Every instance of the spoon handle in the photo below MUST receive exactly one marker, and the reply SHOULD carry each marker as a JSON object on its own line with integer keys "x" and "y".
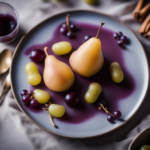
{"x": 5, "y": 88}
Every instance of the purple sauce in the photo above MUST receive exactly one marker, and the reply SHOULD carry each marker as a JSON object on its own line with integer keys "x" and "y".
{"x": 111, "y": 93}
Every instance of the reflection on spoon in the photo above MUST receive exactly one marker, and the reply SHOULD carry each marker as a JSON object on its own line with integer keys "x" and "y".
{"x": 5, "y": 60}
{"x": 6, "y": 86}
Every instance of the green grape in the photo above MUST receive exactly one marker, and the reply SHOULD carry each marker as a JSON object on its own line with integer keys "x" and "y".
{"x": 92, "y": 2}
{"x": 61, "y": 48}
{"x": 145, "y": 147}
{"x": 93, "y": 92}
{"x": 116, "y": 72}
{"x": 56, "y": 110}
{"x": 41, "y": 96}
{"x": 33, "y": 75}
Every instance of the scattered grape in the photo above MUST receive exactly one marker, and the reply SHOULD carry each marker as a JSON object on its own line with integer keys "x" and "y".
{"x": 24, "y": 92}
{"x": 110, "y": 118}
{"x": 72, "y": 99}
{"x": 64, "y": 25}
{"x": 70, "y": 35}
{"x": 73, "y": 27}
{"x": 56, "y": 110}
{"x": 34, "y": 103}
{"x": 87, "y": 37}
{"x": 123, "y": 38}
{"x": 116, "y": 36}
{"x": 117, "y": 114}
{"x": 30, "y": 93}
{"x": 37, "y": 55}
{"x": 120, "y": 43}
{"x": 26, "y": 99}
{"x": 2, "y": 27}
{"x": 63, "y": 30}
{"x": 120, "y": 33}
{"x": 61, "y": 48}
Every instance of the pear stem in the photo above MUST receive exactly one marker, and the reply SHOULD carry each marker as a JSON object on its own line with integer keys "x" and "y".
{"x": 45, "y": 49}
{"x": 102, "y": 23}
{"x": 67, "y": 22}
{"x": 51, "y": 119}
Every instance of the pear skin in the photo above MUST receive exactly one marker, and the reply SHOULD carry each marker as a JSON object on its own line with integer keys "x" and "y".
{"x": 88, "y": 59}
{"x": 57, "y": 75}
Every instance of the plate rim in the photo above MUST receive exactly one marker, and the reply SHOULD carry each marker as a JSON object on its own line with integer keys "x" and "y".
{"x": 57, "y": 14}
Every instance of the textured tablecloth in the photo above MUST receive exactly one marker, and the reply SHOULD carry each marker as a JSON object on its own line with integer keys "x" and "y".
{"x": 18, "y": 133}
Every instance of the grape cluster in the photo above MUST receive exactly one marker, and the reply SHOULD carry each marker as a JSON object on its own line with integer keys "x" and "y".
{"x": 28, "y": 99}
{"x": 87, "y": 37}
{"x": 121, "y": 39}
{"x": 111, "y": 117}
{"x": 64, "y": 30}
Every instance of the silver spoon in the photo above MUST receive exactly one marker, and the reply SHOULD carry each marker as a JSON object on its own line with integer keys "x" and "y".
{"x": 5, "y": 60}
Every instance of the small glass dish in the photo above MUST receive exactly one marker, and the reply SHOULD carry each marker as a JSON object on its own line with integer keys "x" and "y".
{"x": 9, "y": 23}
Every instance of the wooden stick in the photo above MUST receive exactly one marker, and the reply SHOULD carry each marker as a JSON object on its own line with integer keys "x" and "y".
{"x": 147, "y": 35}
{"x": 147, "y": 27}
{"x": 137, "y": 9}
{"x": 143, "y": 12}
{"x": 144, "y": 25}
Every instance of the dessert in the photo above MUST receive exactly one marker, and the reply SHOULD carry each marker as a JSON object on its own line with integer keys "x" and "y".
{"x": 57, "y": 75}
{"x": 33, "y": 75}
{"x": 88, "y": 59}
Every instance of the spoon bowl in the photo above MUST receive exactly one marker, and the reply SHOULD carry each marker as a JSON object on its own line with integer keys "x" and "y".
{"x": 5, "y": 60}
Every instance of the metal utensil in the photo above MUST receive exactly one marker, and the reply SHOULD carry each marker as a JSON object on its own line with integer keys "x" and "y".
{"x": 6, "y": 86}
{"x": 5, "y": 60}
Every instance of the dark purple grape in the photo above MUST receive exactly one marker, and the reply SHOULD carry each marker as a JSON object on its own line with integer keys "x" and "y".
{"x": 30, "y": 93}
{"x": 2, "y": 27}
{"x": 120, "y": 33}
{"x": 87, "y": 37}
{"x": 116, "y": 36}
{"x": 37, "y": 55}
{"x": 73, "y": 27}
{"x": 120, "y": 43}
{"x": 63, "y": 30}
{"x": 34, "y": 103}
{"x": 123, "y": 38}
{"x": 24, "y": 92}
{"x": 103, "y": 102}
{"x": 70, "y": 35}
{"x": 26, "y": 99}
{"x": 72, "y": 99}
{"x": 110, "y": 118}
{"x": 64, "y": 25}
{"x": 117, "y": 114}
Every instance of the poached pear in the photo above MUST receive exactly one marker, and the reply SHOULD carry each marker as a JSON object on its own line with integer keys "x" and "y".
{"x": 57, "y": 75}
{"x": 88, "y": 59}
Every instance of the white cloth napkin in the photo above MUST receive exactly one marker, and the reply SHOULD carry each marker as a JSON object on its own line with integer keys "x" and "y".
{"x": 18, "y": 133}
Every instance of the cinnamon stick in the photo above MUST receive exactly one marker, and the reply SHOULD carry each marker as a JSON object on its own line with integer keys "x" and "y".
{"x": 137, "y": 9}
{"x": 147, "y": 35}
{"x": 144, "y": 25}
{"x": 143, "y": 12}
{"x": 147, "y": 27}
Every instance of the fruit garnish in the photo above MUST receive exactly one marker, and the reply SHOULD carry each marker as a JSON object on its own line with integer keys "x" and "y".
{"x": 93, "y": 92}
{"x": 34, "y": 103}
{"x": 33, "y": 75}
{"x": 41, "y": 96}
{"x": 71, "y": 99}
{"x": 117, "y": 114}
{"x": 37, "y": 55}
{"x": 24, "y": 92}
{"x": 116, "y": 72}
{"x": 26, "y": 99}
{"x": 88, "y": 59}
{"x": 57, "y": 75}
{"x": 62, "y": 48}
{"x": 54, "y": 110}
